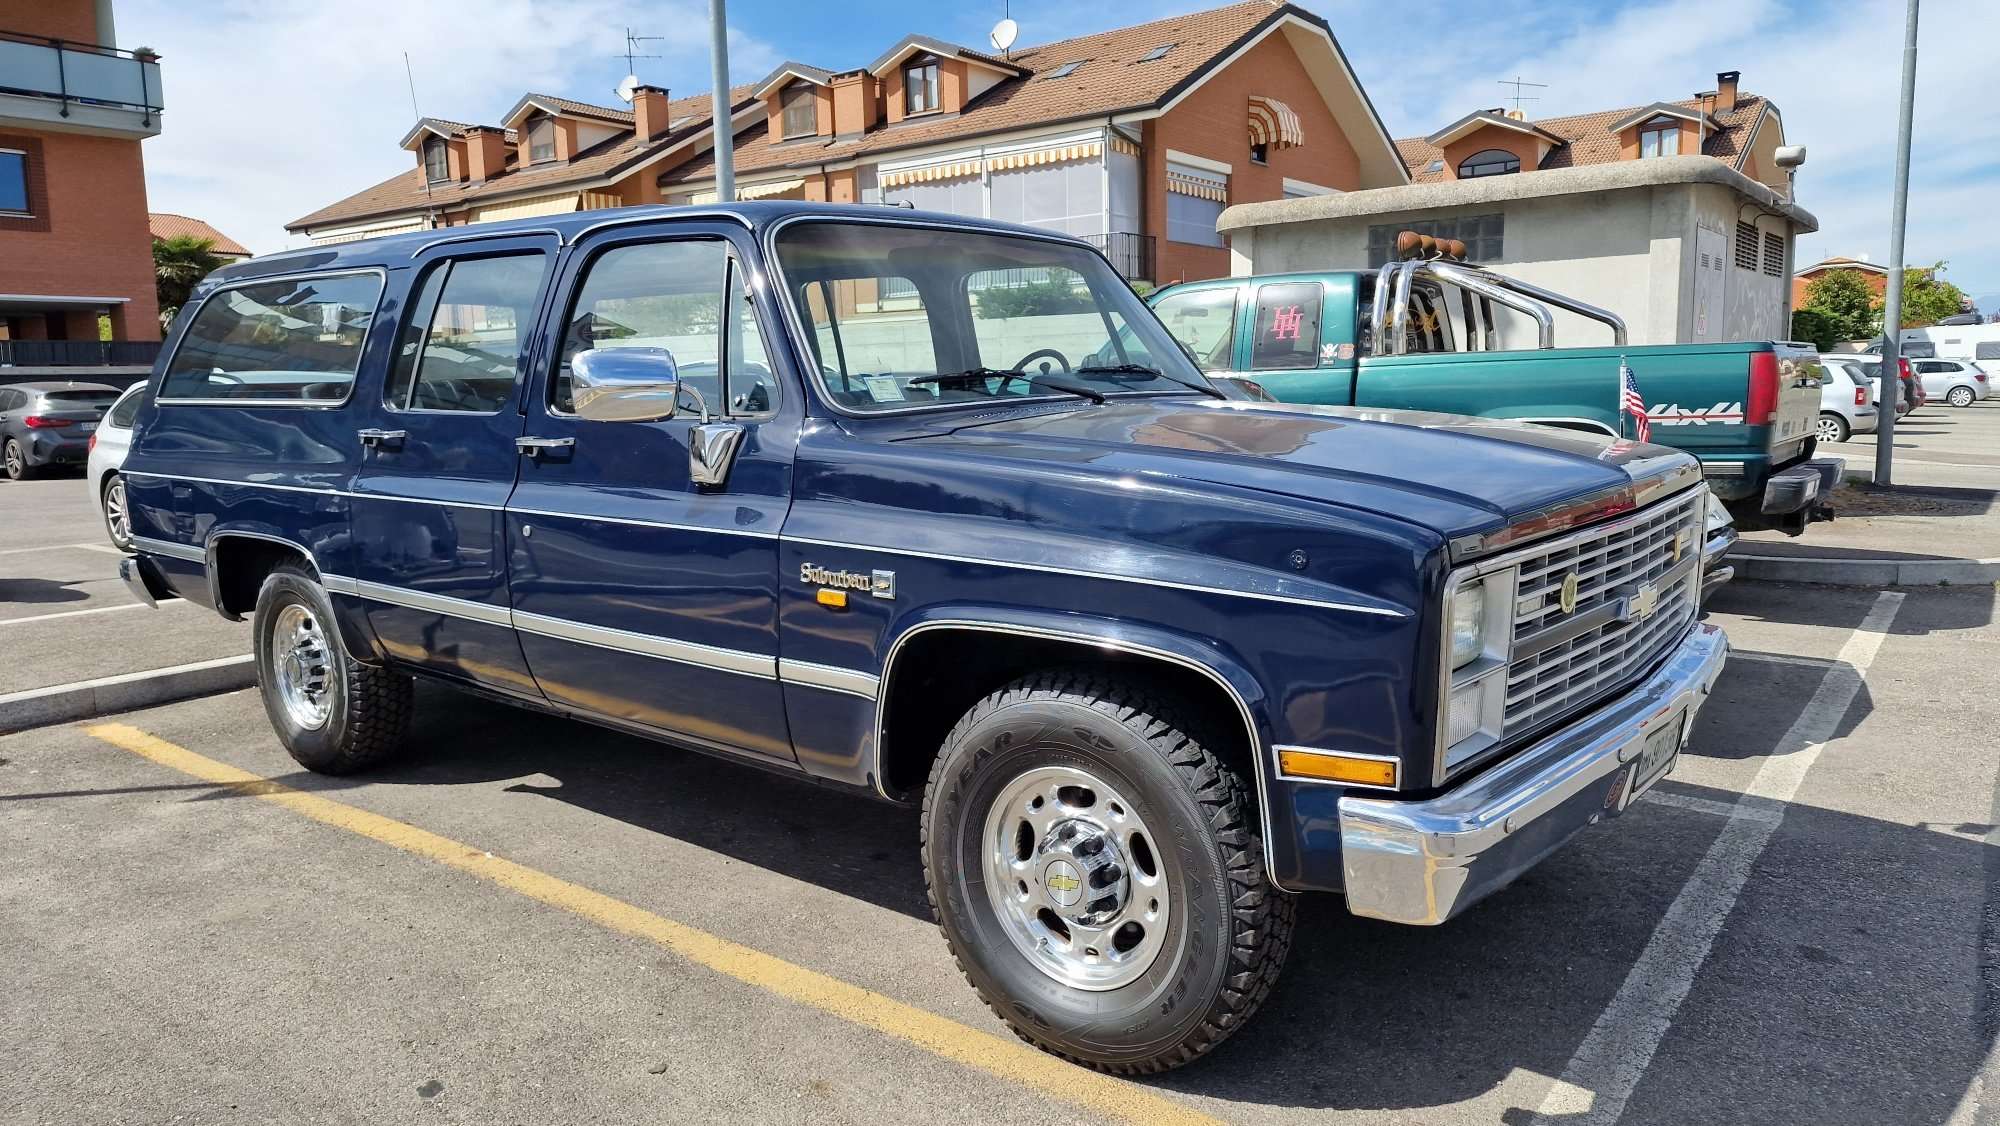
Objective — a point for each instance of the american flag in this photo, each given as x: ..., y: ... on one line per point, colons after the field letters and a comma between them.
x: 1630, y: 402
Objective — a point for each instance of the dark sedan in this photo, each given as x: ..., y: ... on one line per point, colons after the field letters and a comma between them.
x: 45, y: 424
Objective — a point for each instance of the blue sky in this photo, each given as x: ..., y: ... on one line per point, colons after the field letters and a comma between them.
x: 274, y: 110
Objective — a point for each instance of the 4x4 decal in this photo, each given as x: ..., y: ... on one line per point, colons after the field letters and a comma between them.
x: 1673, y: 414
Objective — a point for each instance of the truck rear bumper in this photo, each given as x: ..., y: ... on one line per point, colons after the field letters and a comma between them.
x: 1422, y: 862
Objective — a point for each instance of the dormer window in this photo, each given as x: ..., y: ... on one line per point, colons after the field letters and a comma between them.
x: 920, y: 85
x: 437, y: 162
x: 800, y: 103
x: 1660, y: 137
x: 541, y: 140
x: 1492, y: 162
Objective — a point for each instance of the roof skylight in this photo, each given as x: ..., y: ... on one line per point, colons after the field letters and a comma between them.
x: 1065, y: 70
x: 1157, y: 53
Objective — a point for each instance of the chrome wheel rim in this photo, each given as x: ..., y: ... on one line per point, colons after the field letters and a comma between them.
x: 1961, y: 398
x: 1829, y: 430
x: 114, y: 513
x: 14, y: 459
x: 302, y: 666
x: 1075, y: 878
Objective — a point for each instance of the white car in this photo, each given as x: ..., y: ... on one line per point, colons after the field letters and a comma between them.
x: 107, y: 456
x: 1958, y: 382
x: 1846, y: 401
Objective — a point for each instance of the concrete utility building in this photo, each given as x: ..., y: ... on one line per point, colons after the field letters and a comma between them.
x: 1676, y: 216
x: 74, y: 239
x: 1135, y: 139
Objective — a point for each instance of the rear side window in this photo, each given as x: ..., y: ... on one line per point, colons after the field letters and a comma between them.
x: 1287, y: 331
x: 460, y: 349
x: 288, y: 340
x: 126, y: 408
x: 1986, y: 350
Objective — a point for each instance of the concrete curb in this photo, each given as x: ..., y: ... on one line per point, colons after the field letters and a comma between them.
x: 1866, y: 572
x: 62, y: 703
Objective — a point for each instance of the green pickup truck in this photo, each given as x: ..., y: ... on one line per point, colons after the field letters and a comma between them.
x: 1440, y: 334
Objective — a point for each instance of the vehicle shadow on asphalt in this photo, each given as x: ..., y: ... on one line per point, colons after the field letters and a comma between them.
x: 37, y: 591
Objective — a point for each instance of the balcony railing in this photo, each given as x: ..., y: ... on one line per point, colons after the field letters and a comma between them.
x: 1130, y: 254
x: 78, y: 353
x: 82, y: 79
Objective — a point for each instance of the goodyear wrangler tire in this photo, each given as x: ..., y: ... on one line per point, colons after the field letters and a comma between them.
x: 333, y: 714
x: 1098, y: 874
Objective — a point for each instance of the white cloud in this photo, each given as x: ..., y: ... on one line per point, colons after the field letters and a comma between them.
x: 276, y: 110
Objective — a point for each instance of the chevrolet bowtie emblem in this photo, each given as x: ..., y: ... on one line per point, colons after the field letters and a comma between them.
x: 1642, y: 603
x: 1569, y: 591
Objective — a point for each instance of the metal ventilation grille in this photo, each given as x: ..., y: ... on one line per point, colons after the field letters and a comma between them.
x: 1566, y: 661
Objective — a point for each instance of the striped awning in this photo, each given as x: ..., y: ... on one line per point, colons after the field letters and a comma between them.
x: 764, y: 190
x: 953, y: 170
x: 561, y: 203
x: 595, y: 201
x: 1034, y: 157
x: 1272, y: 123
x: 355, y: 234
x: 1183, y: 180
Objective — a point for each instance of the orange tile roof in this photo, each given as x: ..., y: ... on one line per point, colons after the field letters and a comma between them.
x: 1590, y: 140
x: 1112, y: 79
x: 167, y: 225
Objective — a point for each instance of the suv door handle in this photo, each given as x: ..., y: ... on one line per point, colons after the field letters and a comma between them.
x: 535, y: 447
x: 382, y: 439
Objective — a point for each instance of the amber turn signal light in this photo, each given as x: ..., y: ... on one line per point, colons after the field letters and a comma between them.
x: 1328, y: 766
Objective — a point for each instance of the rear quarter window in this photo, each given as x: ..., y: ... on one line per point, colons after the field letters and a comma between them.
x: 284, y: 340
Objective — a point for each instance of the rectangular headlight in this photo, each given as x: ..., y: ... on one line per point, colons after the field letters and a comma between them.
x: 1468, y: 624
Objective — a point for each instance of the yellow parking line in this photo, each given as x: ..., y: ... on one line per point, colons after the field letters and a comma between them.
x: 1005, y: 1059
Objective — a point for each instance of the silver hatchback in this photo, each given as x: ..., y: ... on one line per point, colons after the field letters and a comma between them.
x: 107, y: 457
x: 49, y: 424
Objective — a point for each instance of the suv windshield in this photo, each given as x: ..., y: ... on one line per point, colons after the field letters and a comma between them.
x: 900, y: 316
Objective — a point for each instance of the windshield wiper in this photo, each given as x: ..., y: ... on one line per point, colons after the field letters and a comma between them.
x: 1156, y: 373
x: 971, y: 375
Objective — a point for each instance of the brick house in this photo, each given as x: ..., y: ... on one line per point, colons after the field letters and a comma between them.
x: 1135, y: 138
x: 74, y: 240
x: 1876, y: 276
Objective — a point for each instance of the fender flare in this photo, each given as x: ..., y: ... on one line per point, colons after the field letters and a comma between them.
x: 355, y: 635
x: 1098, y: 634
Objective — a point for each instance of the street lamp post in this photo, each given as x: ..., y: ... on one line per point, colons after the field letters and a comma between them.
x: 719, y: 107
x: 1892, y: 301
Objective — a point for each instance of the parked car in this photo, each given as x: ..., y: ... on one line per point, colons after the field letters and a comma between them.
x: 1447, y: 335
x: 1150, y: 658
x: 1958, y: 382
x: 1869, y: 366
x: 47, y: 424
x: 1846, y: 402
x: 107, y: 454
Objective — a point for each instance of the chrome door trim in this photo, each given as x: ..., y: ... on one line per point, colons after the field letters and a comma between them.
x: 1257, y: 749
x: 220, y: 481
x: 465, y: 608
x: 832, y: 678
x: 669, y: 525
x: 649, y: 645
x: 1295, y: 600
x: 183, y: 551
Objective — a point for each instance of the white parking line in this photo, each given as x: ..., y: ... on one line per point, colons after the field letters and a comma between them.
x: 103, y: 547
x: 60, y: 547
x: 91, y: 610
x: 1601, y: 1076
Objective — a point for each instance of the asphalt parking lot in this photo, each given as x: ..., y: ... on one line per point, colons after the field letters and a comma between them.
x: 530, y: 920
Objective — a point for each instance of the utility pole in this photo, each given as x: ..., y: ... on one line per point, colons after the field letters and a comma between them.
x: 1892, y: 302
x: 719, y: 107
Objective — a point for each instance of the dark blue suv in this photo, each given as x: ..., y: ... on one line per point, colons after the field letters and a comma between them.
x: 936, y: 510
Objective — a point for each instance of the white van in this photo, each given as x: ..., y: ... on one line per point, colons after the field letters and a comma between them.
x: 1950, y: 342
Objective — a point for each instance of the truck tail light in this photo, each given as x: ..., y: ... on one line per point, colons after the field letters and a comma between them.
x: 44, y: 422
x: 1861, y: 396
x: 1763, y: 401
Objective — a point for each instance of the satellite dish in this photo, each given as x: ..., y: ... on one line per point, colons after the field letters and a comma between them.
x: 627, y: 87
x: 1003, y: 34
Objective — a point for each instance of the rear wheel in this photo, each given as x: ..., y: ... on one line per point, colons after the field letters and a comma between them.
x: 1960, y: 397
x: 117, y: 519
x: 1832, y: 427
x: 1098, y: 876
x: 334, y: 714
x: 15, y: 460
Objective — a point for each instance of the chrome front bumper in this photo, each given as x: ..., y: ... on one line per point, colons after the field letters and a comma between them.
x: 1422, y: 862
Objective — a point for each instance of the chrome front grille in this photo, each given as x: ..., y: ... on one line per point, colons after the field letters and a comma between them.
x: 1567, y: 658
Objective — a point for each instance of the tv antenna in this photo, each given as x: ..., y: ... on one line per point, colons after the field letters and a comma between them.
x: 1004, y: 33
x: 1518, y: 83
x: 630, y: 82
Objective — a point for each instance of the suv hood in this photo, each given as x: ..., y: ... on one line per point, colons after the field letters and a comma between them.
x: 1450, y: 473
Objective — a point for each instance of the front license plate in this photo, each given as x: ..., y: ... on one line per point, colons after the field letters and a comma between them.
x: 1658, y: 752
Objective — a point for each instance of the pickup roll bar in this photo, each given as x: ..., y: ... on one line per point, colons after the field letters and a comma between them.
x: 1391, y: 318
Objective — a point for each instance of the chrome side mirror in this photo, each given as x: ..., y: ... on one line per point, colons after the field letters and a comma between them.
x: 624, y: 384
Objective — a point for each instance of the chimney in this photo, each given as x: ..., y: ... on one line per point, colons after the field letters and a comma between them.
x: 485, y: 152
x: 1725, y: 90
x: 857, y: 100
x: 649, y: 113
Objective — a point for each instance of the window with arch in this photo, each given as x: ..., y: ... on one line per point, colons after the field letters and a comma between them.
x: 437, y: 164
x: 1491, y: 162
x: 541, y: 140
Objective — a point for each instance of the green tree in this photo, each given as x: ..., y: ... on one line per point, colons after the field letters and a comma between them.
x: 1816, y: 327
x: 179, y: 264
x: 1928, y: 298
x: 1043, y: 298
x: 1848, y: 306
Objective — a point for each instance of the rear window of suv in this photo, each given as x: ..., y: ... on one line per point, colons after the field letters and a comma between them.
x: 285, y: 340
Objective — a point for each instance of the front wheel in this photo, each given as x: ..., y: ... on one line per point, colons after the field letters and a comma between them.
x: 1832, y: 428
x: 117, y: 518
x: 1098, y: 874
x: 334, y: 714
x: 1960, y: 397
